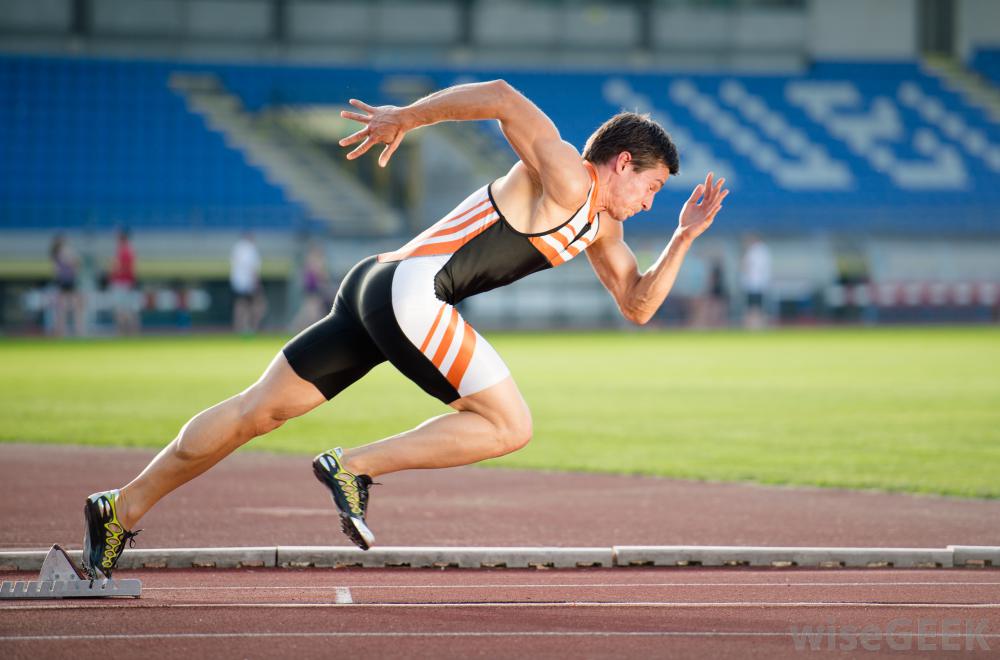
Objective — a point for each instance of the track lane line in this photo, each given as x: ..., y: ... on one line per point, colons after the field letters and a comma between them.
x: 614, y: 585
x: 506, y: 633
x: 510, y: 605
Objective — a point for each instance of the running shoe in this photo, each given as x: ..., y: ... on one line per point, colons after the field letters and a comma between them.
x: 350, y: 495
x: 104, y: 537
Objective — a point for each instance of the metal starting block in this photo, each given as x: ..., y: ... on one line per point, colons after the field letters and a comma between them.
x: 59, y: 578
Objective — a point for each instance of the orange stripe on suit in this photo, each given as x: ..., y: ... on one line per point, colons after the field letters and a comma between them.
x: 430, y: 333
x: 449, y: 335
x: 464, y: 357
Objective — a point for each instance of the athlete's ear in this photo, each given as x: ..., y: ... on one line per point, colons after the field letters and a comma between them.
x: 622, y: 162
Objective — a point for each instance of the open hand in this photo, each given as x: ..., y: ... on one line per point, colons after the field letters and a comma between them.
x: 382, y: 124
x: 697, y: 216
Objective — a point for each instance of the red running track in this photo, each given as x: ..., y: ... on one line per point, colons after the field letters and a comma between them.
x: 620, y: 613
x: 256, y: 499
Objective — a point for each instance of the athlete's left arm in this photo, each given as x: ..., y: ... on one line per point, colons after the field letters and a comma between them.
x: 640, y: 295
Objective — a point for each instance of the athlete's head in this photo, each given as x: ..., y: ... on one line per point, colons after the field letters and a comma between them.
x: 640, y: 157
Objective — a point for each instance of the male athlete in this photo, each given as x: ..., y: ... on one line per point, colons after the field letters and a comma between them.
x: 552, y: 205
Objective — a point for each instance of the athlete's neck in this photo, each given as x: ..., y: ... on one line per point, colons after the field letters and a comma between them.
x: 603, y: 178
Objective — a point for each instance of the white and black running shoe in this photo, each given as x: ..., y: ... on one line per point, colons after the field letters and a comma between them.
x: 349, y: 493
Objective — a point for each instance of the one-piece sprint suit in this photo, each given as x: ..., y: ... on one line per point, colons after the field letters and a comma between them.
x: 399, y: 306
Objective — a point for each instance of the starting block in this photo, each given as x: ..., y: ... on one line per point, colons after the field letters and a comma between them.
x: 59, y: 578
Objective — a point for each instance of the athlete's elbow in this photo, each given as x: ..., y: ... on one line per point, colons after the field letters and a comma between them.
x: 637, y: 309
x: 502, y: 88
x: 505, y: 97
x: 636, y: 315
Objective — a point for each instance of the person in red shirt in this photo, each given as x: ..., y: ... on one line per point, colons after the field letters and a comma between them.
x: 122, y: 285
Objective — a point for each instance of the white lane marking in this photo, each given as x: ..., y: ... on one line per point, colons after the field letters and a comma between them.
x: 476, y: 633
x: 286, y: 511
x: 344, y: 595
x: 553, y: 604
x: 617, y: 585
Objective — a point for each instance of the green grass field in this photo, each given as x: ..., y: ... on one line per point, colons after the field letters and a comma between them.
x: 894, y: 409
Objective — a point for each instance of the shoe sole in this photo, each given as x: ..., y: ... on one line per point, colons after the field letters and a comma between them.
x: 357, y: 531
x: 354, y: 528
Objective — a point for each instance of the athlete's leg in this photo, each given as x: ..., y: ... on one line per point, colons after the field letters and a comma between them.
x: 429, y: 342
x: 313, y: 367
x: 490, y: 423
x: 211, y: 435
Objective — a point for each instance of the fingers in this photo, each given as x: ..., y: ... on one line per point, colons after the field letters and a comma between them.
x: 711, y: 189
x: 713, y: 195
x: 362, y: 105
x: 717, y: 205
x: 717, y: 199
x: 698, y: 190
x: 347, y: 114
x: 389, y: 150
x: 355, y: 137
x: 360, y: 151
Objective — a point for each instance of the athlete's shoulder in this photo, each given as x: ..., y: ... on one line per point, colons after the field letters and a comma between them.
x: 570, y: 189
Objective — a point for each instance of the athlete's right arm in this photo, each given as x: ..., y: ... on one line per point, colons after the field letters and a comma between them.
x: 552, y: 162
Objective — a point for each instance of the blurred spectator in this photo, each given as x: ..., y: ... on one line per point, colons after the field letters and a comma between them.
x: 66, y: 265
x: 314, y: 289
x: 182, y: 316
x: 249, y: 303
x: 122, y: 285
x: 853, y: 272
x: 711, y: 309
x: 756, y: 279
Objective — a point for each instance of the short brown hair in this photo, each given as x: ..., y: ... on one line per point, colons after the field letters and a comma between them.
x: 637, y: 134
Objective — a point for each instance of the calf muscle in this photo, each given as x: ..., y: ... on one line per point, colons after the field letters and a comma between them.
x: 216, y: 432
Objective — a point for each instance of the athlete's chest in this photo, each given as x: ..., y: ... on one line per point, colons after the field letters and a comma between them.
x: 561, y: 244
x: 547, y: 230
x: 529, y: 215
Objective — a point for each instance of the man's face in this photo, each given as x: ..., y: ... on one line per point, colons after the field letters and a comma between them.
x: 633, y: 191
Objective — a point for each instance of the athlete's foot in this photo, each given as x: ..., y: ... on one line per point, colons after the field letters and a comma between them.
x: 104, y: 535
x: 349, y: 493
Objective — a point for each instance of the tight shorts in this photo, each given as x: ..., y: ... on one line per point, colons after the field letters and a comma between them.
x: 388, y: 311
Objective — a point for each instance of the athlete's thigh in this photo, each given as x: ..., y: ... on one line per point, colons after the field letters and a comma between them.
x: 334, y: 352
x: 424, y: 338
x: 281, y: 392
x: 443, y: 354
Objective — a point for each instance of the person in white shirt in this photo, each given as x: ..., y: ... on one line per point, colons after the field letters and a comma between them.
x: 249, y: 303
x: 756, y: 279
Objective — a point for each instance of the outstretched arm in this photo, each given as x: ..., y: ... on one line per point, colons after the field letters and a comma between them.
x: 640, y: 295
x: 553, y: 163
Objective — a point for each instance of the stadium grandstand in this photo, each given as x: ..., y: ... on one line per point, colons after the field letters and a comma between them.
x: 870, y: 165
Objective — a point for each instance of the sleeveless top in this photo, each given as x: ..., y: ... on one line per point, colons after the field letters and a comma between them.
x: 486, y: 252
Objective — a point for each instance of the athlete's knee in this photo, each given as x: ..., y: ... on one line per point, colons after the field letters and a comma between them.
x: 514, y: 430
x: 258, y: 415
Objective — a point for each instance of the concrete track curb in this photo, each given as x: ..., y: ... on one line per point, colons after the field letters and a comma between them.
x: 540, y: 557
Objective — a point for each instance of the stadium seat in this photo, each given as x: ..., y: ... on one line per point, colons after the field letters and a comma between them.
x: 872, y: 147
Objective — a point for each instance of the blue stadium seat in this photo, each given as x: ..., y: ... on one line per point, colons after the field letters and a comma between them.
x: 987, y: 62
x: 874, y: 147
x: 101, y: 142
